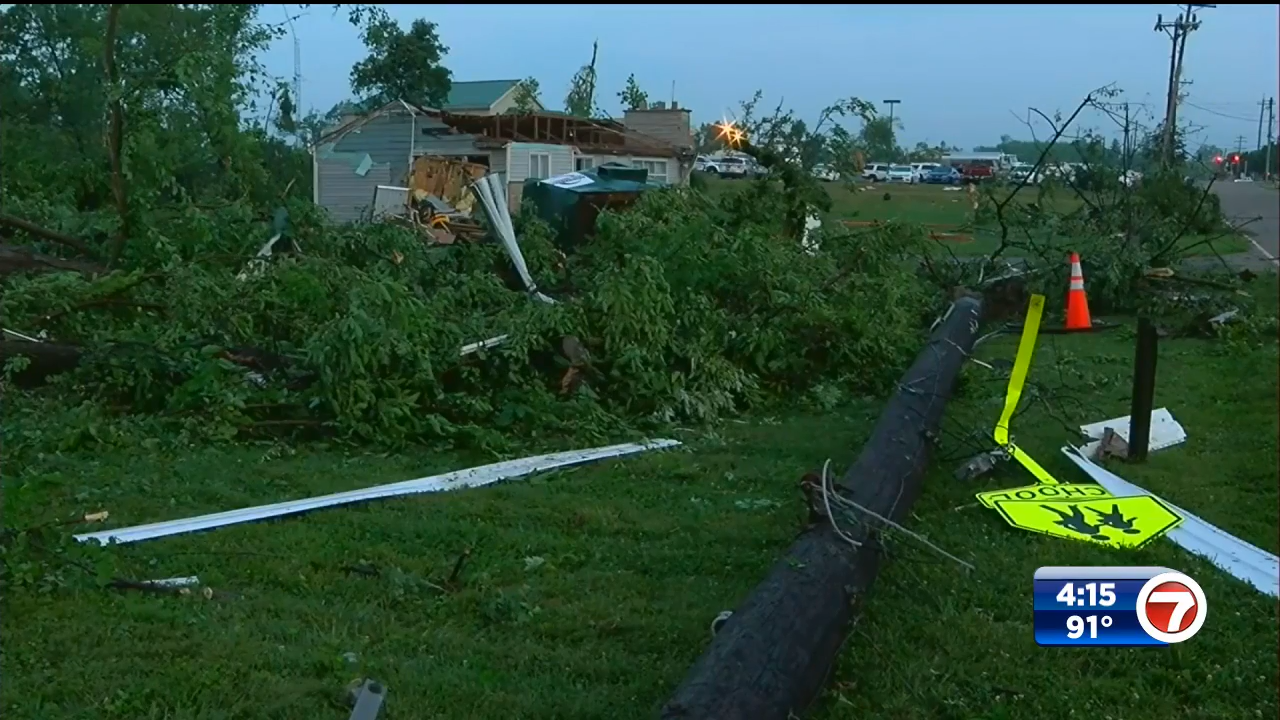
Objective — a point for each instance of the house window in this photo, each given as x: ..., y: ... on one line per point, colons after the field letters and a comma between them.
x: 581, y: 163
x: 657, y: 169
x: 539, y: 165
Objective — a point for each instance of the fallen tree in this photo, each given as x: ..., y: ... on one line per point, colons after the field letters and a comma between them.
x: 772, y: 656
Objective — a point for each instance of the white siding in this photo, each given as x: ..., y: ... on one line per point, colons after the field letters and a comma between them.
x: 661, y: 170
x: 498, y: 161
x: 672, y: 166
x: 560, y: 159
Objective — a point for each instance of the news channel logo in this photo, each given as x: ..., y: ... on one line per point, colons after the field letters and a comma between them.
x: 1116, y: 606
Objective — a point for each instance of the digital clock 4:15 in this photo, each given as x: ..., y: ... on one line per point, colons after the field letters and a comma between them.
x: 1090, y: 594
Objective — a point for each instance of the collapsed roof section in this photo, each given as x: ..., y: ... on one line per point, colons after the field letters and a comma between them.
x: 593, y: 136
x: 597, y: 137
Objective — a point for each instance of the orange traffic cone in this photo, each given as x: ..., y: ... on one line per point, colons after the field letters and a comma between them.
x: 1077, y: 302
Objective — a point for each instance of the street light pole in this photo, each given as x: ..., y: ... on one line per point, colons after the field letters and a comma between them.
x: 891, y: 103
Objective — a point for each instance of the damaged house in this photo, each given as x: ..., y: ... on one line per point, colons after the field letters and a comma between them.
x: 380, y: 148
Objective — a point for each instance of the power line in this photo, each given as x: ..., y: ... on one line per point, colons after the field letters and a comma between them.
x: 1211, y: 111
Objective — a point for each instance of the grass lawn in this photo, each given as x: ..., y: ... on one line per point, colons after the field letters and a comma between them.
x: 589, y: 592
x: 947, y: 210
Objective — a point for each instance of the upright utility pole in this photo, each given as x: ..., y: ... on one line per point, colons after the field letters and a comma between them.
x: 1271, y: 124
x: 1262, y: 116
x: 1241, y: 160
x: 1178, y: 30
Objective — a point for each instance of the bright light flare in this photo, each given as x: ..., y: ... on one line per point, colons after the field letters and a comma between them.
x: 730, y: 134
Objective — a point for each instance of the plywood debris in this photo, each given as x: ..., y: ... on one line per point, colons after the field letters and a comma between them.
x: 447, y: 179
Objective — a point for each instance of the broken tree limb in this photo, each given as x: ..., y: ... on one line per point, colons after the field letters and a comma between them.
x: 44, y: 233
x: 16, y: 259
x: 771, y: 658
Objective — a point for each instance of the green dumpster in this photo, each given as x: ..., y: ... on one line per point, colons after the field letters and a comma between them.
x: 571, y: 203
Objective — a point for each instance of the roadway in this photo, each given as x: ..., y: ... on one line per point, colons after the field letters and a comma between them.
x: 1260, y: 203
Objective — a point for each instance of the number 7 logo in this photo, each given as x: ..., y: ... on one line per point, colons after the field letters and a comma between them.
x: 1171, y: 607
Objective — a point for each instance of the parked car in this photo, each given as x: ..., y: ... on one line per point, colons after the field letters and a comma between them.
x: 727, y: 167
x: 1022, y: 171
x: 755, y: 169
x: 922, y: 169
x: 943, y: 175
x: 826, y: 173
x: 1129, y: 178
x: 700, y: 163
x: 876, y: 171
x: 901, y: 173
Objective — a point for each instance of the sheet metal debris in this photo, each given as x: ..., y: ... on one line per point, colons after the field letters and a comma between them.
x: 1165, y: 431
x: 1242, y: 560
x: 175, y: 582
x: 368, y: 701
x: 470, y: 478
x: 492, y: 194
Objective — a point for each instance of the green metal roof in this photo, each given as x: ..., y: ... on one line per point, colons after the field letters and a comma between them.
x: 477, y: 94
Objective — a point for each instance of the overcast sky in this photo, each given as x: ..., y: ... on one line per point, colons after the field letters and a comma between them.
x: 965, y: 73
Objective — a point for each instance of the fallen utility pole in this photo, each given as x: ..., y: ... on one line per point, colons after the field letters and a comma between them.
x: 772, y: 656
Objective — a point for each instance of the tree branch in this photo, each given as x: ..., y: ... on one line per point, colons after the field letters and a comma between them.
x: 115, y: 132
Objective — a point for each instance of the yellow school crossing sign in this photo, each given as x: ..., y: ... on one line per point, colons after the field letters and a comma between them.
x: 1116, y: 522
x: 1076, y: 511
x: 1043, y: 492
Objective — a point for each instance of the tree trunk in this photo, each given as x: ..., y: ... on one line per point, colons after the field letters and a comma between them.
x: 46, y: 359
x: 771, y: 658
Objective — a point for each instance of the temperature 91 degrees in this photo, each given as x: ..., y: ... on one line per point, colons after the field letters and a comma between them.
x: 1116, y: 606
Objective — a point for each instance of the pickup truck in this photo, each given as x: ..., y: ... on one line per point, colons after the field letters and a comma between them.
x: 976, y: 173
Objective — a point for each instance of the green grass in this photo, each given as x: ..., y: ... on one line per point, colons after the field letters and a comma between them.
x: 638, y: 555
x: 936, y: 206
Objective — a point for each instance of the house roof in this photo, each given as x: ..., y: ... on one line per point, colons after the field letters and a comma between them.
x: 477, y: 94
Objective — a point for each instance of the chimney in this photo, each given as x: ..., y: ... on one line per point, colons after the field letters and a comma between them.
x: 674, y: 106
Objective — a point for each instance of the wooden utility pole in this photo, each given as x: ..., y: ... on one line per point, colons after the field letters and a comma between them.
x: 771, y: 658
x: 1178, y: 30
x: 1262, y: 116
x: 1271, y: 123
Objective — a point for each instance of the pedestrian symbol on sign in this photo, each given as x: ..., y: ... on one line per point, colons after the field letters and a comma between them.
x: 1117, y: 522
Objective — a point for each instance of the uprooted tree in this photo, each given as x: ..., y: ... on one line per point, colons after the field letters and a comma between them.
x: 133, y: 277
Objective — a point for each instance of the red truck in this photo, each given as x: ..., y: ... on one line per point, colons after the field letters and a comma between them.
x: 976, y: 172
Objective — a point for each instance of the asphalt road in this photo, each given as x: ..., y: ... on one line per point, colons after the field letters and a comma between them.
x: 1242, y: 202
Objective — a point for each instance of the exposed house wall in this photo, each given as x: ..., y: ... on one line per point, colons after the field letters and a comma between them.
x: 558, y: 160
x: 345, y: 194
x: 671, y: 126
